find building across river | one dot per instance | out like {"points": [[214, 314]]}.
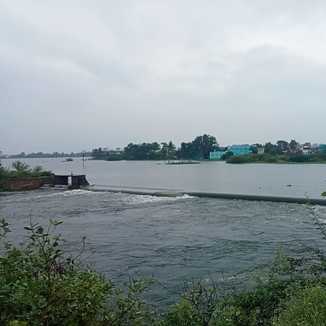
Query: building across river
{"points": [[235, 150]]}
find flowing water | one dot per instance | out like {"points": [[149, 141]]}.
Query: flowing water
{"points": [[176, 240]]}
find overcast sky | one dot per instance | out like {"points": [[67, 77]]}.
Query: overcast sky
{"points": [[79, 74]]}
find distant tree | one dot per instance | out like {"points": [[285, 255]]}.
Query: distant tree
{"points": [[149, 151], [254, 149], [199, 148], [171, 150], [294, 146], [20, 167], [271, 149], [185, 151], [282, 146], [99, 154], [168, 151]]}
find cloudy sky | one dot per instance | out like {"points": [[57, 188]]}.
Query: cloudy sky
{"points": [[80, 74]]}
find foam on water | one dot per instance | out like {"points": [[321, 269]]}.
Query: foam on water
{"points": [[142, 199], [65, 193]]}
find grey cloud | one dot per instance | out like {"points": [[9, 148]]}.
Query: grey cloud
{"points": [[145, 70]]}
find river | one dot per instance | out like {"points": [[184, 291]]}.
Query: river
{"points": [[176, 240], [303, 180]]}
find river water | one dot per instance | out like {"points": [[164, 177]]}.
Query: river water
{"points": [[176, 240]]}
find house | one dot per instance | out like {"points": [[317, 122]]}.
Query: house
{"points": [[306, 149], [216, 155], [238, 150], [315, 148], [322, 148]]}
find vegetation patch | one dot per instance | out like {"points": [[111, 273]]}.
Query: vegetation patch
{"points": [[284, 158], [20, 171]]}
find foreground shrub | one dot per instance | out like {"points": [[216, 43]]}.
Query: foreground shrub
{"points": [[204, 306], [196, 306], [306, 308], [39, 285]]}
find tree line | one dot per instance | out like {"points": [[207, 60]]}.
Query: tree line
{"points": [[198, 149]]}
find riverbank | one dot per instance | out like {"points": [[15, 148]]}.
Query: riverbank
{"points": [[20, 177], [278, 159]]}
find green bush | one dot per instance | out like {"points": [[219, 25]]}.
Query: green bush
{"points": [[306, 308], [20, 170], [39, 285], [196, 306], [202, 305], [277, 158]]}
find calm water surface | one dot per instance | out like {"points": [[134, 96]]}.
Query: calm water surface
{"points": [[178, 239], [268, 179]]}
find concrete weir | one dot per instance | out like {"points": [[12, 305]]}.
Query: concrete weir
{"points": [[277, 199]]}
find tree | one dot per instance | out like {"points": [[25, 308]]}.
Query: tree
{"points": [[254, 149], [294, 146], [149, 151], [282, 146], [270, 149], [185, 151], [171, 150], [199, 148]]}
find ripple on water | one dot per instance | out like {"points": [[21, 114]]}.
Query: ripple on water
{"points": [[173, 239]]}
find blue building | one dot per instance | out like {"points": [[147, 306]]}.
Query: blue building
{"points": [[216, 155], [322, 148], [238, 150]]}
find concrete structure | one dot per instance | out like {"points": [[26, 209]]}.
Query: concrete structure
{"points": [[61, 180], [277, 199], [31, 183], [76, 181], [22, 184]]}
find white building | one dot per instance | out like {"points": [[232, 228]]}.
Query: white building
{"points": [[306, 149]]}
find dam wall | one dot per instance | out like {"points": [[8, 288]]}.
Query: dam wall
{"points": [[249, 197]]}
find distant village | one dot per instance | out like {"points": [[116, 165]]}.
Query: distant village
{"points": [[280, 148], [203, 147]]}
